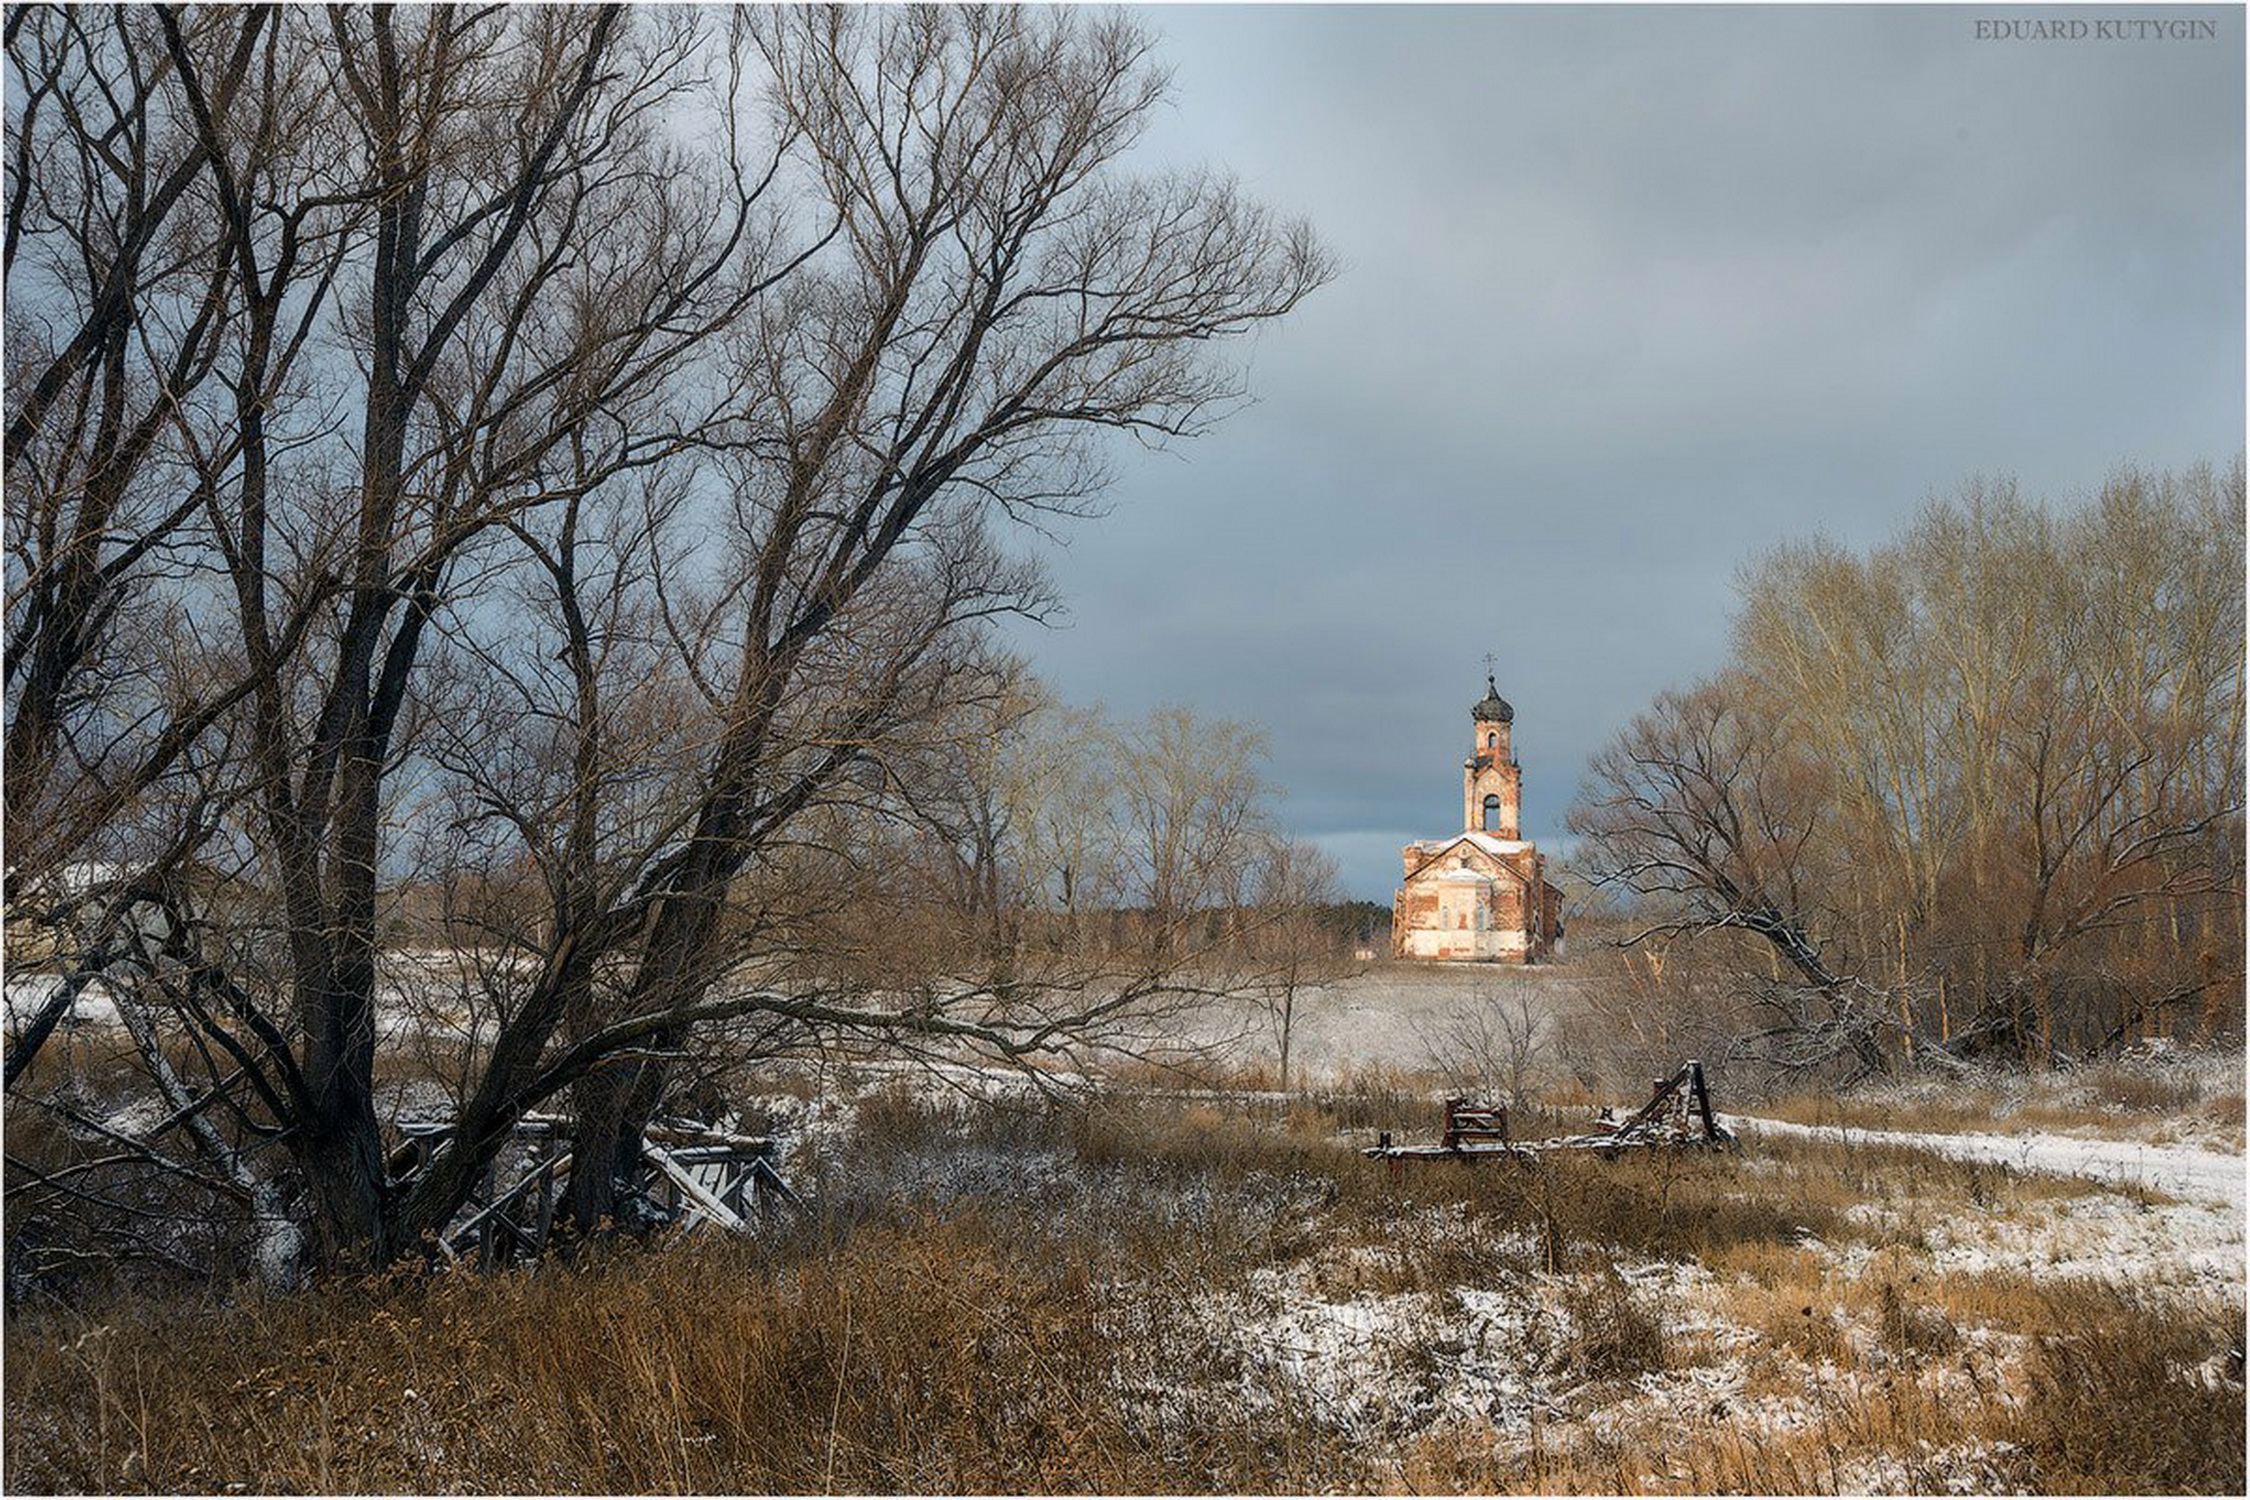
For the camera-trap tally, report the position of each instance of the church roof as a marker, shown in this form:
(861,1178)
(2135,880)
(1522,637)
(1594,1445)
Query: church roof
(1484,841)
(1430,851)
(1492,707)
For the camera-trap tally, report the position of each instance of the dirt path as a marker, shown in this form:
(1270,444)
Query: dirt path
(2178,1170)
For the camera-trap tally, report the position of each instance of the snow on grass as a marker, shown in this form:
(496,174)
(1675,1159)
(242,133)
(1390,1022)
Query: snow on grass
(1507,1359)
(2155,1091)
(1381,1365)
(2179,1171)
(1388,1017)
(2156,1247)
(1977,1467)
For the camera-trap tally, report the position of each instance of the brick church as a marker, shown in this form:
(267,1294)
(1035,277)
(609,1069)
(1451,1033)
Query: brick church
(1480,895)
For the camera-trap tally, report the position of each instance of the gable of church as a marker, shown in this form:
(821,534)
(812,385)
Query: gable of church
(1479,852)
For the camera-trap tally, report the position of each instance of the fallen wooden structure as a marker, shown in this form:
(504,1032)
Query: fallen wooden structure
(1678,1115)
(688,1175)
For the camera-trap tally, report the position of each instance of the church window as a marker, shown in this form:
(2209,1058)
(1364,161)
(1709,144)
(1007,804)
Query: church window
(1492,815)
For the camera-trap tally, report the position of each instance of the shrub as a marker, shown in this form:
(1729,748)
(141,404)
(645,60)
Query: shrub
(1618,1336)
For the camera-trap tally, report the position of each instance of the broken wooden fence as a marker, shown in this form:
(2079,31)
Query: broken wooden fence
(687,1175)
(1678,1114)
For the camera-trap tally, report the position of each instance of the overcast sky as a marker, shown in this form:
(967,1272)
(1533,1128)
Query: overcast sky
(1631,294)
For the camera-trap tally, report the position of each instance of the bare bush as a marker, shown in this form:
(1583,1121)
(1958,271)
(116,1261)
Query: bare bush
(1499,1044)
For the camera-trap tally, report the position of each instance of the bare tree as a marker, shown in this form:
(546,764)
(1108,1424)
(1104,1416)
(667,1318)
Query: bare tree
(593,508)
(443,206)
(1978,791)
(997,293)
(1290,882)
(1498,1042)
(117,276)
(1702,806)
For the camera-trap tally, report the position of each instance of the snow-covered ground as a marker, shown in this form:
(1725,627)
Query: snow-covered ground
(2178,1171)
(28,993)
(1503,1361)
(1391,1017)
(426,991)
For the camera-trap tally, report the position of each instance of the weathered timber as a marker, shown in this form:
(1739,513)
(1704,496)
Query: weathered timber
(1677,1115)
(1469,1124)
(687,1175)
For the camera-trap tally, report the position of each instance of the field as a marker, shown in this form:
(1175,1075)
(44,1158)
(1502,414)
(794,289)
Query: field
(1197,1289)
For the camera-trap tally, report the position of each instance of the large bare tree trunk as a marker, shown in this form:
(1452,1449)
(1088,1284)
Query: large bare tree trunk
(671,514)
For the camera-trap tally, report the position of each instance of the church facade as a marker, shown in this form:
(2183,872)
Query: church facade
(1480,895)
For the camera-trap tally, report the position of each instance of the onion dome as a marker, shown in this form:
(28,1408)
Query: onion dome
(1492,708)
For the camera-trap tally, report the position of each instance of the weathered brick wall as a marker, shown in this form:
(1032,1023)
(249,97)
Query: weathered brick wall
(1480,780)
(1467,903)
(1417,904)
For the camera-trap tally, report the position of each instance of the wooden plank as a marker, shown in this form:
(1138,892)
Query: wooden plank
(701,1175)
(486,1211)
(1664,1090)
(684,1183)
(547,1199)
(769,1180)
(1712,1129)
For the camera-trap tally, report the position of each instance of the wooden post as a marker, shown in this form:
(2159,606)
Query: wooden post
(484,1231)
(1701,1093)
(737,1195)
(1664,1088)
(547,1198)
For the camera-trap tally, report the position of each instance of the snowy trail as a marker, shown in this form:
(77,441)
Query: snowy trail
(2181,1171)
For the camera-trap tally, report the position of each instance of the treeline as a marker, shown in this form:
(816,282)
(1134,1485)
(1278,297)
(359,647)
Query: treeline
(1009,829)
(1974,793)
(1051,826)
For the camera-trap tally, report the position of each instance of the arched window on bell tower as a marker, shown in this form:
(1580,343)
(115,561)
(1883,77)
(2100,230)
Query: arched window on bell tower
(1492,815)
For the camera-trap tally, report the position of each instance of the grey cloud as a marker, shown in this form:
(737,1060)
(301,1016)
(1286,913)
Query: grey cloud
(1631,295)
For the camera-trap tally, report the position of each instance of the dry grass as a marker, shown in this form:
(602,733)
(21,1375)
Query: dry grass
(2195,1096)
(2122,1407)
(1002,1300)
(2125,1399)
(920,1356)
(1619,1334)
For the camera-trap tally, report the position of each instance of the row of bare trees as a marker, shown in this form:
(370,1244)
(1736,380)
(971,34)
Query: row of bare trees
(557,459)
(1041,827)
(1978,792)
(1056,850)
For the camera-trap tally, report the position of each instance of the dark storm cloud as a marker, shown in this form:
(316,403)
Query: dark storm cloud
(1631,295)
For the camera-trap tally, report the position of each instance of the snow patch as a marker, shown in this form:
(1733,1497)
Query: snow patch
(2179,1171)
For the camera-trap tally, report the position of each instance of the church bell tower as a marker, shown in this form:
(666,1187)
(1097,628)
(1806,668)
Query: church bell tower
(1491,781)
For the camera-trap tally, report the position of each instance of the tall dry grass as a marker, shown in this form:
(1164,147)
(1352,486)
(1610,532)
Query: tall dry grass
(1011,1300)
(2187,1094)
(938,1355)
